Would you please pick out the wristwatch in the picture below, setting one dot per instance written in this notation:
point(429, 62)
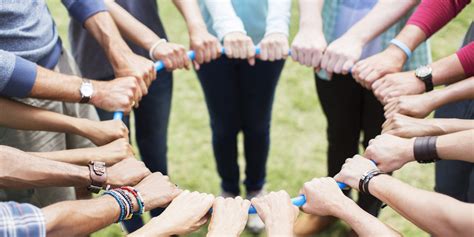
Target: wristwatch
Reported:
point(424, 74)
point(98, 173)
point(86, 91)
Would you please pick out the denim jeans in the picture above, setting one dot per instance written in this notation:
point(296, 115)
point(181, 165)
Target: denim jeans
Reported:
point(239, 97)
point(151, 125)
point(456, 178)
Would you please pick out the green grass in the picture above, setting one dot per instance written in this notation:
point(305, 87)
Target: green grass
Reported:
point(298, 151)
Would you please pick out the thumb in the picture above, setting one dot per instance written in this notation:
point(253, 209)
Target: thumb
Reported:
point(196, 65)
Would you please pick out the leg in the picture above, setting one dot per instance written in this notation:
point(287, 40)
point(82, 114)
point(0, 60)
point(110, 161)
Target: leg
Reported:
point(454, 178)
point(372, 117)
point(258, 89)
point(341, 101)
point(221, 90)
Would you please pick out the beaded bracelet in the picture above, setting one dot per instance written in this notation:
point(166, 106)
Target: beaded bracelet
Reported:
point(129, 203)
point(119, 201)
point(138, 196)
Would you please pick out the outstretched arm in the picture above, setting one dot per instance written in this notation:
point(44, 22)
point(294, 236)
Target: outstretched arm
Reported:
point(324, 197)
point(26, 117)
point(435, 213)
point(341, 55)
point(173, 55)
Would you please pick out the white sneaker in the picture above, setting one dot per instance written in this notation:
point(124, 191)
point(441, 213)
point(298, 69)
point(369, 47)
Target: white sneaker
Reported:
point(254, 223)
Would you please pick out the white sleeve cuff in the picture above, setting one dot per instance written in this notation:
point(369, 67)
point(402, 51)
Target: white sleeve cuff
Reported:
point(224, 17)
point(278, 18)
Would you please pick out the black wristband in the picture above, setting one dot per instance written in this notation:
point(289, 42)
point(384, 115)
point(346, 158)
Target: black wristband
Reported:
point(368, 178)
point(424, 150)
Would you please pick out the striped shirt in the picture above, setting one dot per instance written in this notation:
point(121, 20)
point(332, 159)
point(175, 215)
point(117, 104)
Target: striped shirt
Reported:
point(21, 220)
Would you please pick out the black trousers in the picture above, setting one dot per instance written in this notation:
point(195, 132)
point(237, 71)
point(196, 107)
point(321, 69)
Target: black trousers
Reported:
point(350, 110)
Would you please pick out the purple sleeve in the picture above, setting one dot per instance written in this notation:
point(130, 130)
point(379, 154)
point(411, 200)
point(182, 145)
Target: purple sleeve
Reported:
point(81, 10)
point(17, 75)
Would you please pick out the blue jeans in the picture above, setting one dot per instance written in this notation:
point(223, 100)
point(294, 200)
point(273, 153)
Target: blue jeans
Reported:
point(151, 125)
point(239, 97)
point(456, 178)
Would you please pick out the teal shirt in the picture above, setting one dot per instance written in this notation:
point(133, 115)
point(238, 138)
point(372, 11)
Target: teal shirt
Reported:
point(252, 13)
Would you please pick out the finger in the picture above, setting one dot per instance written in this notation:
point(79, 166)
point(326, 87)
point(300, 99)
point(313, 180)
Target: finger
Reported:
point(196, 65)
point(264, 52)
point(251, 53)
point(338, 65)
point(307, 58)
point(271, 52)
point(207, 53)
point(371, 78)
point(346, 67)
point(199, 56)
point(295, 54)
point(331, 63)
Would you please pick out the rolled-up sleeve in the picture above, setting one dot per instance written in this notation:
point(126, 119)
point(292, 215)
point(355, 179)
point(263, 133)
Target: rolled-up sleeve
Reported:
point(466, 57)
point(81, 10)
point(17, 75)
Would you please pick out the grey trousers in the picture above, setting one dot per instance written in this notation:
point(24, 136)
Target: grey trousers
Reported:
point(40, 141)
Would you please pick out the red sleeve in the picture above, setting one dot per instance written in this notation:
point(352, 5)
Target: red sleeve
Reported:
point(432, 15)
point(466, 57)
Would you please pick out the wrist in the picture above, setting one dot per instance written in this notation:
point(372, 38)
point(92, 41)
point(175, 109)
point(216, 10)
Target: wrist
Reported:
point(118, 54)
point(344, 209)
point(218, 233)
point(397, 54)
point(84, 176)
point(280, 228)
point(196, 27)
point(409, 155)
point(98, 92)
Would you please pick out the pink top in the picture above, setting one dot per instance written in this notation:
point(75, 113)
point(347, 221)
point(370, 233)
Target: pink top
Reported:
point(432, 15)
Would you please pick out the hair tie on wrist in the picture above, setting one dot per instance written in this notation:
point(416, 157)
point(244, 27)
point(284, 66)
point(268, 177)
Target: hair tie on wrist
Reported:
point(153, 47)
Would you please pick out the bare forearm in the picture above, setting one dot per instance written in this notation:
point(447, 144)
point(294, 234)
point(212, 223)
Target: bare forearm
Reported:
point(26, 117)
point(55, 86)
point(104, 30)
point(192, 14)
point(79, 218)
point(22, 170)
point(310, 15)
point(446, 126)
point(456, 146)
point(75, 156)
point(384, 14)
point(362, 222)
point(131, 28)
point(447, 216)
point(462, 90)
point(447, 70)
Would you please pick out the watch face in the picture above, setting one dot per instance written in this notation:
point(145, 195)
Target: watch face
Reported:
point(87, 90)
point(423, 71)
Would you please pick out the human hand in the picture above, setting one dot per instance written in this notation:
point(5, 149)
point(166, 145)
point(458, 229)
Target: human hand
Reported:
point(389, 152)
point(114, 152)
point(353, 170)
point(229, 216)
point(186, 213)
point(127, 172)
point(157, 190)
point(407, 127)
point(119, 94)
point(341, 55)
point(133, 65)
point(367, 71)
point(206, 46)
point(240, 46)
point(102, 132)
point(323, 197)
point(397, 84)
point(174, 56)
point(418, 106)
point(308, 48)
point(277, 212)
point(274, 47)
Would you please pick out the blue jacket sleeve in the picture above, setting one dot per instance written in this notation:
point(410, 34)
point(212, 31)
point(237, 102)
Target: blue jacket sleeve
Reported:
point(81, 10)
point(17, 75)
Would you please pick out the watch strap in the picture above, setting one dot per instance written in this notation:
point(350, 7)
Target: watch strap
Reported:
point(85, 99)
point(428, 80)
point(98, 175)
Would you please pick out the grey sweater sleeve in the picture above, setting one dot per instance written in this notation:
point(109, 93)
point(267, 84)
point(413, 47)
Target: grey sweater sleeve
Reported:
point(17, 75)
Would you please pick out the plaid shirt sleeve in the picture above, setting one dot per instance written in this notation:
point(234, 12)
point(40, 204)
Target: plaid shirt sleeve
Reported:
point(21, 220)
